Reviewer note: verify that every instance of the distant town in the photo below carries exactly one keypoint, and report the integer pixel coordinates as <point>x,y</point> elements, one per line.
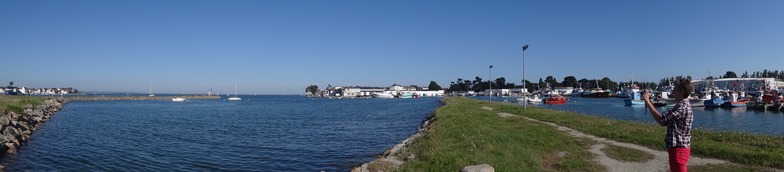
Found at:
<point>12,90</point>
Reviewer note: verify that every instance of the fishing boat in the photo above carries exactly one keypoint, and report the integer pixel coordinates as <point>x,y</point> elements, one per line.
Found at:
<point>714,101</point>
<point>235,98</point>
<point>178,99</point>
<point>733,100</point>
<point>635,99</point>
<point>555,99</point>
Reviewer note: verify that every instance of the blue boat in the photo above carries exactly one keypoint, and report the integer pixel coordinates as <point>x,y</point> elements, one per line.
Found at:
<point>635,99</point>
<point>715,101</point>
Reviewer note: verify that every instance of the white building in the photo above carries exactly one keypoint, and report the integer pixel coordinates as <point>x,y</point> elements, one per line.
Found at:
<point>743,84</point>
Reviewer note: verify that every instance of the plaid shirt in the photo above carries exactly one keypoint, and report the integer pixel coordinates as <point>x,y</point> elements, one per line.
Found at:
<point>678,120</point>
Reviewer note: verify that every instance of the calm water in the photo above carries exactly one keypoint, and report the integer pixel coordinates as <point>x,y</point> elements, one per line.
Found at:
<point>259,133</point>
<point>735,119</point>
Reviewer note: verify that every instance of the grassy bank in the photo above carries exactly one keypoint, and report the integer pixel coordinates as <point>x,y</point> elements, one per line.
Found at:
<point>748,149</point>
<point>17,103</point>
<point>464,134</point>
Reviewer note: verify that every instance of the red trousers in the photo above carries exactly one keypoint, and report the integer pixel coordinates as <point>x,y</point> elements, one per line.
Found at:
<point>679,157</point>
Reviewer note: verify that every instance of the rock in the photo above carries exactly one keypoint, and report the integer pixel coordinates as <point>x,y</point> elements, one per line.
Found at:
<point>478,168</point>
<point>13,115</point>
<point>11,148</point>
<point>5,121</point>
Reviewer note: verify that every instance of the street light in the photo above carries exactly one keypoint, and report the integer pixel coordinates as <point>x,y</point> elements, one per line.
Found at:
<point>490,75</point>
<point>525,104</point>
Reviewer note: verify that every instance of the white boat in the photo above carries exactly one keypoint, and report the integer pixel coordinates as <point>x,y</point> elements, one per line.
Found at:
<point>151,94</point>
<point>235,98</point>
<point>383,95</point>
<point>179,99</point>
<point>535,99</point>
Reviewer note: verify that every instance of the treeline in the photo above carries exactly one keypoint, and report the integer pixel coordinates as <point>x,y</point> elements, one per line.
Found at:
<point>478,84</point>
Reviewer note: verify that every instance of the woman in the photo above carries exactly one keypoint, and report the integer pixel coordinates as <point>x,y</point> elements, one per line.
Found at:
<point>678,121</point>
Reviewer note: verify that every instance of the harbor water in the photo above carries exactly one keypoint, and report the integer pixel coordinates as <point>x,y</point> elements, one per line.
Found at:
<point>259,133</point>
<point>718,119</point>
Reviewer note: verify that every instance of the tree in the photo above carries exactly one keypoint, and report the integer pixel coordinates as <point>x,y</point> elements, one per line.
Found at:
<point>11,84</point>
<point>312,89</point>
<point>500,82</point>
<point>434,86</point>
<point>551,80</point>
<point>730,74</point>
<point>745,74</point>
<point>569,81</point>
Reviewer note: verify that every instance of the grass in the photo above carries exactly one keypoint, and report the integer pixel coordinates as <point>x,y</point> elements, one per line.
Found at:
<point>742,148</point>
<point>463,134</point>
<point>17,103</point>
<point>626,154</point>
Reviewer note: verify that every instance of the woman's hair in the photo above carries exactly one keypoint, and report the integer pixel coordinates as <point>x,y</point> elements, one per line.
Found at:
<point>684,85</point>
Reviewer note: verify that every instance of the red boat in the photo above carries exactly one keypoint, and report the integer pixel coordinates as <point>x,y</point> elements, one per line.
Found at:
<point>555,99</point>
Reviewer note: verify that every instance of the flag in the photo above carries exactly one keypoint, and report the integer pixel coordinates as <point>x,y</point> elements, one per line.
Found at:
<point>525,47</point>
<point>491,66</point>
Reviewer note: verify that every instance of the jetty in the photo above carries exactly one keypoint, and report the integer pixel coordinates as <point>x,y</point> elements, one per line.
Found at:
<point>118,98</point>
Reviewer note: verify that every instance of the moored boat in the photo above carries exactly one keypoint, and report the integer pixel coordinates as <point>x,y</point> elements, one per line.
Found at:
<point>178,99</point>
<point>384,95</point>
<point>555,99</point>
<point>634,99</point>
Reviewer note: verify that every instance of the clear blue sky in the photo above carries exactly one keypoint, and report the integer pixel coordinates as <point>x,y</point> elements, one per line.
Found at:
<point>281,47</point>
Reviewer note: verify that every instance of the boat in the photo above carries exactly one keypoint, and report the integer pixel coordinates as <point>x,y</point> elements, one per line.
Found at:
<point>532,100</point>
<point>235,98</point>
<point>151,94</point>
<point>555,99</point>
<point>734,101</point>
<point>714,101</point>
<point>383,95</point>
<point>597,93</point>
<point>635,99</point>
<point>178,99</point>
<point>535,99</point>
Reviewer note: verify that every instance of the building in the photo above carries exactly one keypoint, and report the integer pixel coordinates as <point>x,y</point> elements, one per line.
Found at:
<point>742,84</point>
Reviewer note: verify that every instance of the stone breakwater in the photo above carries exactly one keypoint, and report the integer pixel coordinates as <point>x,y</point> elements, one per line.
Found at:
<point>17,128</point>
<point>114,98</point>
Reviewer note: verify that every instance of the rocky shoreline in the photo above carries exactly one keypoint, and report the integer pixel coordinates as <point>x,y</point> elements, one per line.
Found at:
<point>389,160</point>
<point>17,128</point>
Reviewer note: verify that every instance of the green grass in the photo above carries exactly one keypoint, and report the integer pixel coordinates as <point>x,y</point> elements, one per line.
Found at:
<point>742,148</point>
<point>626,154</point>
<point>17,103</point>
<point>463,134</point>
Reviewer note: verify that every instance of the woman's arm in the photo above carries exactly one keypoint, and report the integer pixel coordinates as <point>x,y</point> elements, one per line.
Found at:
<point>649,105</point>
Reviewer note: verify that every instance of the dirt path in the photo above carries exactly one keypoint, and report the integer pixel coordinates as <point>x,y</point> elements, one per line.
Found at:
<point>658,163</point>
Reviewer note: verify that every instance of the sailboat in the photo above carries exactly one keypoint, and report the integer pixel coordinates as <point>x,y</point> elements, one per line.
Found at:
<point>151,94</point>
<point>235,98</point>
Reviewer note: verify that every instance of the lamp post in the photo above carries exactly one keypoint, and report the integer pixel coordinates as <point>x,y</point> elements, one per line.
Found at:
<point>525,104</point>
<point>489,82</point>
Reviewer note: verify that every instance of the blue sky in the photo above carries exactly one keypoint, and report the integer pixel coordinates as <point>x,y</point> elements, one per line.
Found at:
<point>281,47</point>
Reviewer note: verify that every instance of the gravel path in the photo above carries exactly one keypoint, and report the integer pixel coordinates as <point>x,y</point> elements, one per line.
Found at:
<point>659,163</point>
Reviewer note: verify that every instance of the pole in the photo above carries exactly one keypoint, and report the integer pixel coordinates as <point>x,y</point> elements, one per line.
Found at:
<point>525,104</point>
<point>490,82</point>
